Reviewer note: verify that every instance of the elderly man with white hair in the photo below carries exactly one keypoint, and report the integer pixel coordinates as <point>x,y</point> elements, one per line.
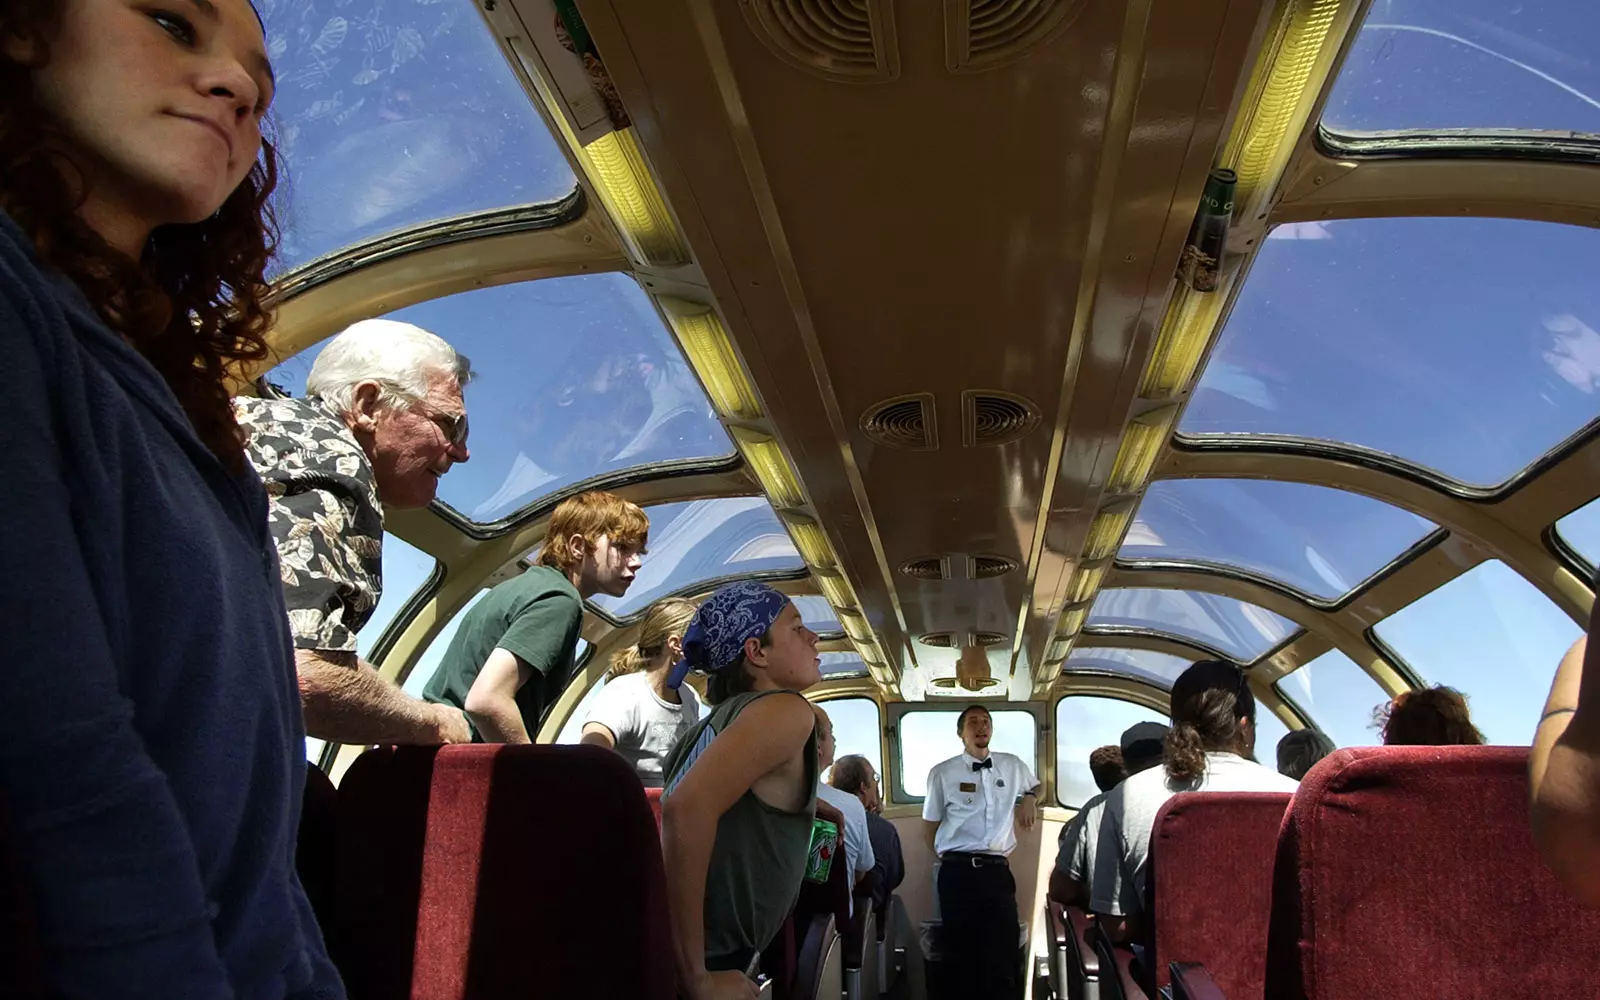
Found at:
<point>382,420</point>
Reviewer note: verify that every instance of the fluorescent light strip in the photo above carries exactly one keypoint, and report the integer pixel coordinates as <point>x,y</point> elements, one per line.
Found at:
<point>1086,582</point>
<point>617,169</point>
<point>834,587</point>
<point>1288,79</point>
<point>1142,442</point>
<point>813,546</point>
<point>1071,621</point>
<point>1105,534</point>
<point>772,469</point>
<point>705,341</point>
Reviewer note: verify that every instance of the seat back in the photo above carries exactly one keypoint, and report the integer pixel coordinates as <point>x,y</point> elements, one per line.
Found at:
<point>21,961</point>
<point>315,857</point>
<point>382,826</point>
<point>821,914</point>
<point>856,929</point>
<point>653,796</point>
<point>531,851</point>
<point>1411,871</point>
<point>1209,886</point>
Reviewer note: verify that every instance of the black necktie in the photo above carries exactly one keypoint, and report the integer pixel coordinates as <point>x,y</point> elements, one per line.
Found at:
<point>980,765</point>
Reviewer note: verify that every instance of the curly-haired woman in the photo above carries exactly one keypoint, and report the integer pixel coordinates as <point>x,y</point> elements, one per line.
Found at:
<point>150,764</point>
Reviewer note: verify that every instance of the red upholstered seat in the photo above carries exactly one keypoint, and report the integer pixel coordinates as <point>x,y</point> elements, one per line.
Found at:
<point>1411,871</point>
<point>382,824</point>
<point>653,796</point>
<point>541,877</point>
<point>1209,890</point>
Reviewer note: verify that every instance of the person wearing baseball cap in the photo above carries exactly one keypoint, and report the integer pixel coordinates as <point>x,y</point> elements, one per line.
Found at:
<point>1141,749</point>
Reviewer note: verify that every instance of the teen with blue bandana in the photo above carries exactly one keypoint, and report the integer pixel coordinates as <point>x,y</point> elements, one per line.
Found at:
<point>741,787</point>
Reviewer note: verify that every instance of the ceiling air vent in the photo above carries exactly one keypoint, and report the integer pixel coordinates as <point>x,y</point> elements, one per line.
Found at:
<point>965,684</point>
<point>848,40</point>
<point>931,568</point>
<point>989,567</point>
<point>990,638</point>
<point>981,34</point>
<point>903,422</point>
<point>938,640</point>
<point>991,417</point>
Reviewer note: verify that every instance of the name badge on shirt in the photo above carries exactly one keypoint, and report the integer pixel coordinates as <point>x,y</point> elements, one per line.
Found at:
<point>968,786</point>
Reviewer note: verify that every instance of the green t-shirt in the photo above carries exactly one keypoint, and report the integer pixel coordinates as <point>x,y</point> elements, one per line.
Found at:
<point>536,617</point>
<point>759,858</point>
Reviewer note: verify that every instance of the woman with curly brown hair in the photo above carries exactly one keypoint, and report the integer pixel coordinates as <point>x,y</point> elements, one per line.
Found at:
<point>151,761</point>
<point>1210,748</point>
<point>1430,717</point>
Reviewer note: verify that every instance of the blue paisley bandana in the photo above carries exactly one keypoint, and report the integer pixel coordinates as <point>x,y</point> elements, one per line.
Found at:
<point>716,634</point>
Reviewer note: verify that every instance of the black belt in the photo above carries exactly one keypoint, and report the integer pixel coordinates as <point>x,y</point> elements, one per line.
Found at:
<point>978,860</point>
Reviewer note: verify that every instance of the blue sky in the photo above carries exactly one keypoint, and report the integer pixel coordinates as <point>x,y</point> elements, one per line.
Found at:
<point>1466,346</point>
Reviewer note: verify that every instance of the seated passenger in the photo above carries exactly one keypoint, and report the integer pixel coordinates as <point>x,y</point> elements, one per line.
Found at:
<point>637,714</point>
<point>1430,717</point>
<point>1300,749</point>
<point>736,817</point>
<point>1564,768</point>
<point>382,420</point>
<point>1141,749</point>
<point>1208,750</point>
<point>853,773</point>
<point>515,650</point>
<point>152,757</point>
<point>858,853</point>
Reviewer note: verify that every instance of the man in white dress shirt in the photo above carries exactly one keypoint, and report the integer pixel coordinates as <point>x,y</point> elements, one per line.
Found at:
<point>974,803</point>
<point>858,853</point>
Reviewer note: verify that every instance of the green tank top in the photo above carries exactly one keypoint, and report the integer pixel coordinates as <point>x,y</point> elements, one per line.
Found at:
<point>759,859</point>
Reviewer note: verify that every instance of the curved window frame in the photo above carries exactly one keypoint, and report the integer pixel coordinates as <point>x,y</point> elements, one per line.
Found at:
<point>1243,573</point>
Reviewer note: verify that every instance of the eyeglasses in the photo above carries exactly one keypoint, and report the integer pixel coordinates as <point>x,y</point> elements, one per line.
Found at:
<point>452,425</point>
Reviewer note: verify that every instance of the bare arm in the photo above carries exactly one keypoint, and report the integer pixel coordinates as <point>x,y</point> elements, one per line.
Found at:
<point>1067,890</point>
<point>1027,810</point>
<point>492,701</point>
<point>930,829</point>
<point>765,736</point>
<point>1565,772</point>
<point>598,735</point>
<point>345,700</point>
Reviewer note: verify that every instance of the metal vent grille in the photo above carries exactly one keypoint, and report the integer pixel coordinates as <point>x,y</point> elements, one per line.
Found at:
<point>990,638</point>
<point>903,422</point>
<point>930,568</point>
<point>840,39</point>
<point>990,417</point>
<point>970,684</point>
<point>986,33</point>
<point>989,567</point>
<point>938,640</point>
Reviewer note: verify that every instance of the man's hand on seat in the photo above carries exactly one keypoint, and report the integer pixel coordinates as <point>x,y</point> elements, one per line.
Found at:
<point>453,726</point>
<point>729,985</point>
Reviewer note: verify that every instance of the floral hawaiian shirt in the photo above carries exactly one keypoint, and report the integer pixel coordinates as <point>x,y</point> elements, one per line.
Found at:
<point>324,515</point>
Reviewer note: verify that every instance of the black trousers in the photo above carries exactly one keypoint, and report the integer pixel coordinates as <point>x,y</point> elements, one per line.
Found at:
<point>979,936</point>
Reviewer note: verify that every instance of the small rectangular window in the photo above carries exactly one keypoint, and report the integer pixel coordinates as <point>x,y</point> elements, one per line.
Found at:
<point>929,737</point>
<point>857,725</point>
<point>1083,723</point>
